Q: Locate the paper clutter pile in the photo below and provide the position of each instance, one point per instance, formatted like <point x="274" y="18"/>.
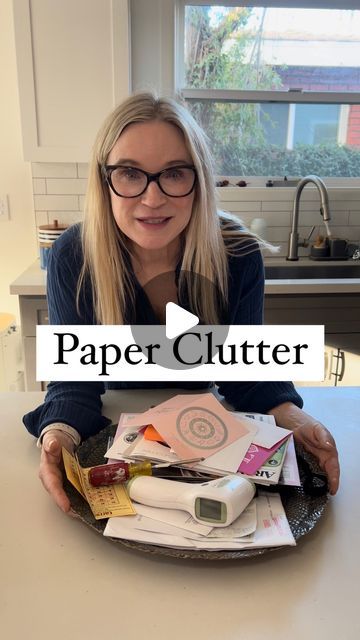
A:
<point x="197" y="425"/>
<point x="190" y="426"/>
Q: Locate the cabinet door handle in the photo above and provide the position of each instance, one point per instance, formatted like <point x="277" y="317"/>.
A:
<point x="334" y="361"/>
<point x="341" y="356"/>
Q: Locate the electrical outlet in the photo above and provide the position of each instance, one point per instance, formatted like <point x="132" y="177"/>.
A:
<point x="4" y="208"/>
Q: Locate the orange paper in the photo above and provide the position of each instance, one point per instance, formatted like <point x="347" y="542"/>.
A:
<point x="150" y="433"/>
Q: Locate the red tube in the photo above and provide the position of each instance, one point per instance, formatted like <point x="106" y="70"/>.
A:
<point x="117" y="472"/>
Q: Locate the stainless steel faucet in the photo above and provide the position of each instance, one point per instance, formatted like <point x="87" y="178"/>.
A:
<point x="324" y="210"/>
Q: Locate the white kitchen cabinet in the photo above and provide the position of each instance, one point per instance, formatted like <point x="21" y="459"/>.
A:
<point x="33" y="311"/>
<point x="73" y="61"/>
<point x="30" y="286"/>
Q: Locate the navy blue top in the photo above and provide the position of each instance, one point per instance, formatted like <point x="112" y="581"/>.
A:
<point x="78" y="404"/>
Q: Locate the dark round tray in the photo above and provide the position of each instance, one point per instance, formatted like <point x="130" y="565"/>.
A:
<point x="302" y="511"/>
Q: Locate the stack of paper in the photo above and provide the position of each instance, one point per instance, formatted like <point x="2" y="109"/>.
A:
<point x="262" y="524"/>
<point x="189" y="426"/>
<point x="198" y="425"/>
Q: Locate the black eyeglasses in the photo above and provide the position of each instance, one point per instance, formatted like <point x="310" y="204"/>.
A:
<point x="129" y="182"/>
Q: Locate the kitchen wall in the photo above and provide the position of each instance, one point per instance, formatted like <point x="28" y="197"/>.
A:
<point x="59" y="194"/>
<point x="59" y="190"/>
<point x="275" y="206"/>
<point x="40" y="193"/>
<point x="17" y="236"/>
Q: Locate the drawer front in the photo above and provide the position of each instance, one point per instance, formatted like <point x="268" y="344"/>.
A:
<point x="339" y="314"/>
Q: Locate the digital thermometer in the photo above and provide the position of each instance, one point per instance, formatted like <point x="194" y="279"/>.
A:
<point x="218" y="502"/>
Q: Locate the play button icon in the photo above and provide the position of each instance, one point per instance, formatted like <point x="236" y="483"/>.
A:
<point x="176" y="346"/>
<point x="178" y="320"/>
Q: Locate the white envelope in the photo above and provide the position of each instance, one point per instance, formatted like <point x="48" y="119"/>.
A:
<point x="150" y="449"/>
<point x="269" y="435"/>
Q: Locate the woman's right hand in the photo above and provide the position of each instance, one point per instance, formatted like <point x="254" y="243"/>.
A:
<point x="50" y="472"/>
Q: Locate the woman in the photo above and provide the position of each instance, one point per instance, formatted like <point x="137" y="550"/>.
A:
<point x="151" y="210"/>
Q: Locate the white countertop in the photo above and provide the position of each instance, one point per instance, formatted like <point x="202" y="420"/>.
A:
<point x="32" y="282"/>
<point x="59" y="579"/>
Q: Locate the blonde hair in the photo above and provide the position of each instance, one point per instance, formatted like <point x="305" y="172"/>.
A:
<point x="207" y="240"/>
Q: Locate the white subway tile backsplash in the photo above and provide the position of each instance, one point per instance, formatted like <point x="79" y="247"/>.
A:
<point x="271" y="219"/>
<point x="39" y="185"/>
<point x="276" y="205"/>
<point x="276" y="209"/>
<point x="335" y="205"/>
<point x="275" y="219"/>
<point x="349" y="233"/>
<point x="65" y="217"/>
<point x="82" y="170"/>
<point x="345" y="194"/>
<point x="238" y="207"/>
<point x="245" y="218"/>
<point x="41" y="217"/>
<point x="54" y="170"/>
<point x="354" y="217"/>
<point x="59" y="190"/>
<point x="278" y="234"/>
<point x="66" y="186"/>
<point x="342" y="205"/>
<point x="56" y="203"/>
<point x="313" y="217"/>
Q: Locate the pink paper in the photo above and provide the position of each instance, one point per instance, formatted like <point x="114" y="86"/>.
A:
<point x="200" y="428"/>
<point x="256" y="456"/>
<point x="168" y="406"/>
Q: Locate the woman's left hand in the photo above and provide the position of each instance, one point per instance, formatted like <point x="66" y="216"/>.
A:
<point x="314" y="437"/>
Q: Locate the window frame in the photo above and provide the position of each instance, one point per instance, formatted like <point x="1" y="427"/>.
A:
<point x="291" y="96"/>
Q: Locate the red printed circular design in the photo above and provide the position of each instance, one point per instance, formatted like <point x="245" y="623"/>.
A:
<point x="201" y="428"/>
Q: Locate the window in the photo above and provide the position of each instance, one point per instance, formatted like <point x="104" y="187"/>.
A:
<point x="276" y="88"/>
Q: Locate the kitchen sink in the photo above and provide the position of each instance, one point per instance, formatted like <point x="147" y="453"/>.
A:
<point x="307" y="271"/>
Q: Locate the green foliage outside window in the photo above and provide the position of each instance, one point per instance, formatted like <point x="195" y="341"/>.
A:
<point x="330" y="160"/>
<point x="215" y="59"/>
<point x="221" y="53"/>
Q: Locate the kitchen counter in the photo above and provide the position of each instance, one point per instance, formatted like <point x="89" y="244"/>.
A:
<point x="61" y="579"/>
<point x="32" y="282"/>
